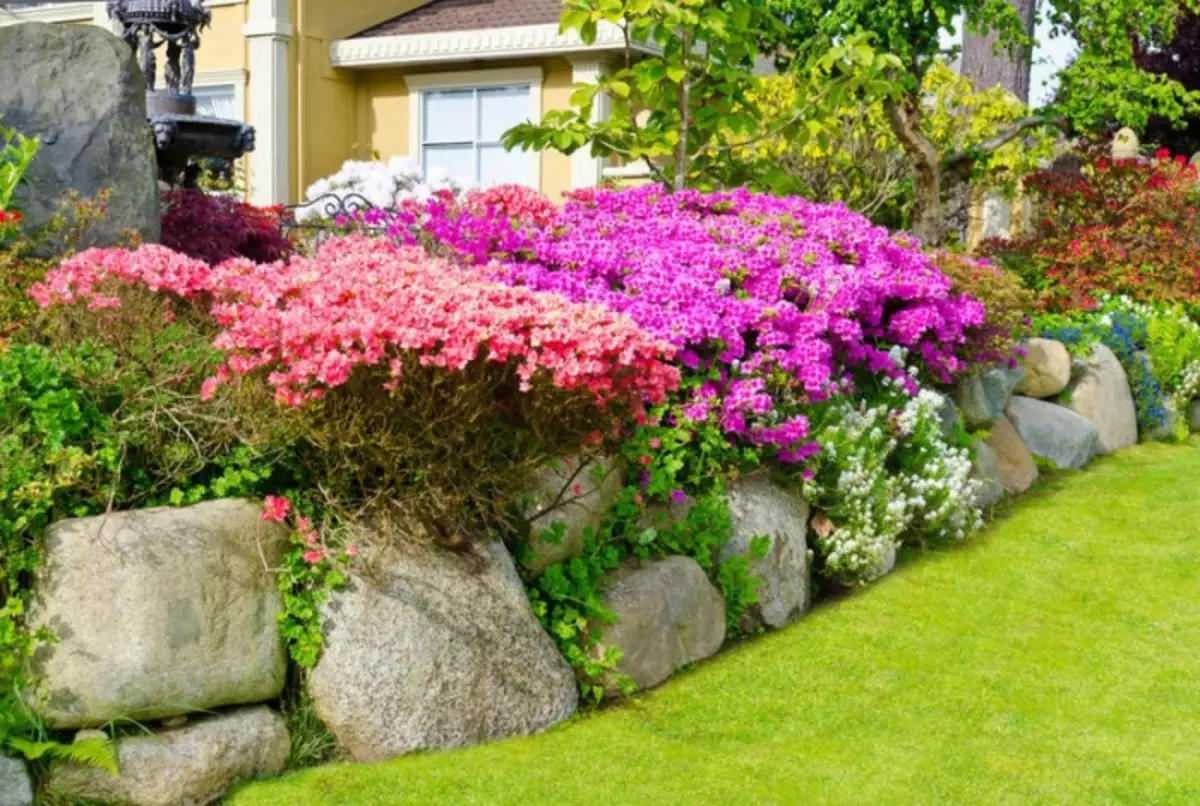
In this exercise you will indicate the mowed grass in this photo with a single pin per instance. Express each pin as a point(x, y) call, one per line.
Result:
point(1054, 659)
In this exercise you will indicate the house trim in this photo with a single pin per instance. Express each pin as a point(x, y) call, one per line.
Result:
point(268, 31)
point(420, 84)
point(485, 43)
point(586, 170)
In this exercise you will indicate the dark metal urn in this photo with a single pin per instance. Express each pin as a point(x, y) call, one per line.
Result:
point(182, 137)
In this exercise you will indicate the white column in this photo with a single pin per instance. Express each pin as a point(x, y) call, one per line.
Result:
point(268, 30)
point(586, 170)
point(100, 18)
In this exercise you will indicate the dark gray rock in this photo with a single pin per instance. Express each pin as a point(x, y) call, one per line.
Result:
point(1054, 432)
point(159, 612)
point(190, 765)
point(982, 397)
point(429, 649)
point(79, 90)
point(1194, 415)
point(15, 789)
point(760, 508)
point(668, 615)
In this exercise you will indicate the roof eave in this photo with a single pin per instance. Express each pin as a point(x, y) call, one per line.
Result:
point(522, 41)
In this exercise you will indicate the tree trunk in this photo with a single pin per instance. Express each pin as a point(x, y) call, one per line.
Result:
point(987, 69)
point(905, 118)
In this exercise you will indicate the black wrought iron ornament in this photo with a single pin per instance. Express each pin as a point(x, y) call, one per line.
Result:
point(312, 222)
point(149, 24)
point(183, 139)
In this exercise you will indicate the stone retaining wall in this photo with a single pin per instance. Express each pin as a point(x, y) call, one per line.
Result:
point(169, 615)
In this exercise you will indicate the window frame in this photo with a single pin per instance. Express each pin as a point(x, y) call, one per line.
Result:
point(421, 84)
point(234, 77)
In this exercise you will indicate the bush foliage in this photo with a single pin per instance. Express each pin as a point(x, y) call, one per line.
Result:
point(1128, 227)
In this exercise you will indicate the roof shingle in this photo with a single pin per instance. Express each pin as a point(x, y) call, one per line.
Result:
point(465, 15)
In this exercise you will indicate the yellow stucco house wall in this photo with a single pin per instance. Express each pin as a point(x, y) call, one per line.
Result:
point(327, 80)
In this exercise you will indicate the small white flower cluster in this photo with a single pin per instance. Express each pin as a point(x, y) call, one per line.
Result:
point(885, 474)
point(383, 184)
point(1187, 390)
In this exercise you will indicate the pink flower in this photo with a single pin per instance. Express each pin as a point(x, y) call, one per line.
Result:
point(313, 557)
point(577, 489)
point(655, 443)
point(276, 508)
point(351, 549)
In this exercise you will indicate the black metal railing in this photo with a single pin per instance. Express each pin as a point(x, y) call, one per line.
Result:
point(311, 222)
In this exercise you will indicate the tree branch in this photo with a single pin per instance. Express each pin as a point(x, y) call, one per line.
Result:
point(967, 156)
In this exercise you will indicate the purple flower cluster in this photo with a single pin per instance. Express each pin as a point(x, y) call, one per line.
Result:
point(773, 302)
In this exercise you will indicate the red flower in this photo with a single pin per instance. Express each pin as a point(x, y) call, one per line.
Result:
point(276, 508)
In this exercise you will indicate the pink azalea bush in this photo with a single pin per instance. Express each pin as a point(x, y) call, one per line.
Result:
point(411, 378)
point(363, 301)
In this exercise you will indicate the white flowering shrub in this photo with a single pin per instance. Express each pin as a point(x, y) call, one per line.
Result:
point(383, 184)
point(1188, 389)
point(885, 475)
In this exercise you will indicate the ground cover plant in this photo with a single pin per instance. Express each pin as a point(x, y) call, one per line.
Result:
point(970, 672)
point(1158, 345)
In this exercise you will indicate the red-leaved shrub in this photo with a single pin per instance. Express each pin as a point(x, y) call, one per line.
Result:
point(1127, 227)
point(214, 228)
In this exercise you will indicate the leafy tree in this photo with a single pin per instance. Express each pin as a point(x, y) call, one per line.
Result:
point(1179, 60)
point(1104, 84)
point(684, 101)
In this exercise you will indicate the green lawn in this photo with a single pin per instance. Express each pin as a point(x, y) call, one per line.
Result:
point(1054, 659)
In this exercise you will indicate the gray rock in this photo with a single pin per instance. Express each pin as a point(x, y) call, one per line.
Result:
point(1014, 462)
point(668, 615)
point(986, 469)
point(1054, 432)
point(159, 612)
point(586, 490)
point(79, 89)
point(430, 649)
point(1194, 416)
point(948, 416)
point(1101, 394)
point(760, 508)
point(15, 788)
point(188, 766)
point(1047, 368)
point(983, 396)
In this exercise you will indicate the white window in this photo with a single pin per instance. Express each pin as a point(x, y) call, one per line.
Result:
point(221, 93)
point(218, 101)
point(460, 118)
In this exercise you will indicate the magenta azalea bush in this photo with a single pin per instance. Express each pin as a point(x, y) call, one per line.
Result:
point(772, 303)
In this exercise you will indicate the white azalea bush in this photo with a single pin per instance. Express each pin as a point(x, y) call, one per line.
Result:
point(383, 184)
point(885, 475)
